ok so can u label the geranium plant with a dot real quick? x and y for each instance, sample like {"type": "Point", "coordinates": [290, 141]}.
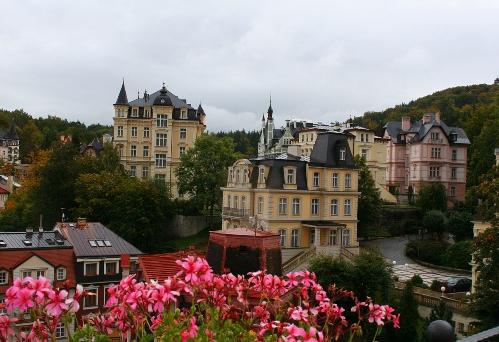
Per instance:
{"type": "Point", "coordinates": [197, 305]}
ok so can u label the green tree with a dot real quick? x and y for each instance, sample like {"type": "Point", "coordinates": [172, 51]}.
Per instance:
{"type": "Point", "coordinates": [460, 225]}
{"type": "Point", "coordinates": [433, 197]}
{"type": "Point", "coordinates": [330, 270]}
{"type": "Point", "coordinates": [486, 257]}
{"type": "Point", "coordinates": [410, 321]}
{"type": "Point", "coordinates": [434, 221]}
{"type": "Point", "coordinates": [134, 209]}
{"type": "Point", "coordinates": [203, 170]}
{"type": "Point", "coordinates": [31, 139]}
{"type": "Point", "coordinates": [369, 209]}
{"type": "Point", "coordinates": [485, 196]}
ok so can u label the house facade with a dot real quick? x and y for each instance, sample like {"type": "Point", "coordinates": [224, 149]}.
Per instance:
{"type": "Point", "coordinates": [424, 152]}
{"type": "Point", "coordinates": [309, 201]}
{"type": "Point", "coordinates": [153, 131]}
{"type": "Point", "coordinates": [35, 254]}
{"type": "Point", "coordinates": [102, 259]}
{"type": "Point", "coordinates": [9, 146]}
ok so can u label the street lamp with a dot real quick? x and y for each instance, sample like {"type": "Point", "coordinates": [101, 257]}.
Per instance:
{"type": "Point", "coordinates": [394, 262]}
{"type": "Point", "coordinates": [443, 290]}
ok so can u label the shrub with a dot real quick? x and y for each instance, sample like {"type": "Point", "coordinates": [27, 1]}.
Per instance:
{"type": "Point", "coordinates": [435, 222]}
{"type": "Point", "coordinates": [460, 225]}
{"type": "Point", "coordinates": [458, 255]}
{"type": "Point", "coordinates": [433, 197]}
{"type": "Point", "coordinates": [426, 250]}
{"type": "Point", "coordinates": [436, 285]}
{"type": "Point", "coordinates": [416, 280]}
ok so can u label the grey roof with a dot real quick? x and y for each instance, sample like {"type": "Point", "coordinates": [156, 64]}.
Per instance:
{"type": "Point", "coordinates": [326, 151]}
{"type": "Point", "coordinates": [46, 239]}
{"type": "Point", "coordinates": [394, 129]}
{"type": "Point", "coordinates": [122, 98]}
{"type": "Point", "coordinates": [96, 144]}
{"type": "Point", "coordinates": [275, 177]}
{"type": "Point", "coordinates": [80, 238]}
{"type": "Point", "coordinates": [176, 102]}
{"type": "Point", "coordinates": [10, 134]}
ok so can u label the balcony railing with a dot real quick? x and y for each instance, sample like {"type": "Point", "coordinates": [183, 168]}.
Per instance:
{"type": "Point", "coordinates": [235, 212]}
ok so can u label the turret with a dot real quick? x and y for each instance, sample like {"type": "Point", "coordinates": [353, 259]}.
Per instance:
{"type": "Point", "coordinates": [121, 104]}
{"type": "Point", "coordinates": [200, 114]}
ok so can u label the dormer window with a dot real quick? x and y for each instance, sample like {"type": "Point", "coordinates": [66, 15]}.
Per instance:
{"type": "Point", "coordinates": [147, 113]}
{"type": "Point", "coordinates": [291, 176]}
{"type": "Point", "coordinates": [261, 175]}
{"type": "Point", "coordinates": [343, 153]}
{"type": "Point", "coordinates": [135, 112]}
{"type": "Point", "coordinates": [183, 113]}
{"type": "Point", "coordinates": [316, 179]}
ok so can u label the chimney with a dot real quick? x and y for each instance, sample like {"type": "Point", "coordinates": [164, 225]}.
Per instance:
{"type": "Point", "coordinates": [29, 232]}
{"type": "Point", "coordinates": [40, 227]}
{"type": "Point", "coordinates": [125, 265]}
{"type": "Point", "coordinates": [437, 117]}
{"type": "Point", "coordinates": [426, 119]}
{"type": "Point", "coordinates": [287, 122]}
{"type": "Point", "coordinates": [81, 223]}
{"type": "Point", "coordinates": [406, 123]}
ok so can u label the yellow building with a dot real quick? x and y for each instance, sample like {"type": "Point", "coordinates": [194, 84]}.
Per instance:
{"type": "Point", "coordinates": [152, 132]}
{"type": "Point", "coordinates": [310, 201]}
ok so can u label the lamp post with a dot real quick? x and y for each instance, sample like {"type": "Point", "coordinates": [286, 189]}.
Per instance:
{"type": "Point", "coordinates": [443, 290]}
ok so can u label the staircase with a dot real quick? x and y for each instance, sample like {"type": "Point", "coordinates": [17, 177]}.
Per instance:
{"type": "Point", "coordinates": [299, 259]}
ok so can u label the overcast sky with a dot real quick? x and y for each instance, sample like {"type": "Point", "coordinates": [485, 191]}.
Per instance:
{"type": "Point", "coordinates": [322, 60]}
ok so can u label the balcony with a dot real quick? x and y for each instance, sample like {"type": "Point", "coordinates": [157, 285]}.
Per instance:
{"type": "Point", "coordinates": [233, 212]}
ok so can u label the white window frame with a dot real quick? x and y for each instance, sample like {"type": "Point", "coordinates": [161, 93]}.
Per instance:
{"type": "Point", "coordinates": [145, 151]}
{"type": "Point", "coordinates": [117, 264]}
{"type": "Point", "coordinates": [147, 132]}
{"type": "Point", "coordinates": [26, 273]}
{"type": "Point", "coordinates": [283, 206]}
{"type": "Point", "coordinates": [282, 237]}
{"type": "Point", "coordinates": [133, 170]}
{"type": "Point", "coordinates": [183, 133]}
{"type": "Point", "coordinates": [290, 176]}
{"type": "Point", "coordinates": [261, 175]}
{"type": "Point", "coordinates": [134, 131]}
{"type": "Point", "coordinates": [335, 180]}
{"type": "Point", "coordinates": [133, 150]}
{"type": "Point", "coordinates": [6, 277]}
{"type": "Point", "coordinates": [119, 132]}
{"type": "Point", "coordinates": [181, 150]}
{"type": "Point", "coordinates": [183, 113]}
{"type": "Point", "coordinates": [453, 173]}
{"type": "Point", "coordinates": [345, 236]}
{"type": "Point", "coordinates": [161, 139]}
{"type": "Point", "coordinates": [316, 179]}
{"type": "Point", "coordinates": [60, 330]}
{"type": "Point", "coordinates": [259, 205]}
{"type": "Point", "coordinates": [348, 180]}
{"type": "Point", "coordinates": [363, 153]}
{"type": "Point", "coordinates": [160, 160]}
{"type": "Point", "coordinates": [135, 112]}
{"type": "Point", "coordinates": [57, 277]}
{"type": "Point", "coordinates": [333, 237]}
{"type": "Point", "coordinates": [295, 238]}
{"type": "Point", "coordinates": [40, 273]}
{"type": "Point", "coordinates": [343, 153]}
{"type": "Point", "coordinates": [296, 206]}
{"type": "Point", "coordinates": [145, 171]}
{"type": "Point", "coordinates": [334, 207]}
{"type": "Point", "coordinates": [347, 207]}
{"type": "Point", "coordinates": [314, 206]}
{"type": "Point", "coordinates": [161, 120]}
{"type": "Point", "coordinates": [85, 263]}
{"type": "Point", "coordinates": [312, 236]}
{"type": "Point", "coordinates": [91, 288]}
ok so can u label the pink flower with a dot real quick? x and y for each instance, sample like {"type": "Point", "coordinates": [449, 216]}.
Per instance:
{"type": "Point", "coordinates": [57, 303]}
{"type": "Point", "coordinates": [298, 314]}
{"type": "Point", "coordinates": [38, 333]}
{"type": "Point", "coordinates": [41, 288]}
{"type": "Point", "coordinates": [24, 299]}
{"type": "Point", "coordinates": [294, 332]}
{"type": "Point", "coordinates": [6, 327]}
{"type": "Point", "coordinates": [191, 331]}
{"type": "Point", "coordinates": [190, 267]}
{"type": "Point", "coordinates": [376, 314]}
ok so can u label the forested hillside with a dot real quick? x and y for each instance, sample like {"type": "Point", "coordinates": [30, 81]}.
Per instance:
{"type": "Point", "coordinates": [475, 108]}
{"type": "Point", "coordinates": [40, 133]}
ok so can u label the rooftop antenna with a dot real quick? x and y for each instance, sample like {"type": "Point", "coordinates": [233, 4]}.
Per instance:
{"type": "Point", "coordinates": [63, 216]}
{"type": "Point", "coordinates": [40, 227]}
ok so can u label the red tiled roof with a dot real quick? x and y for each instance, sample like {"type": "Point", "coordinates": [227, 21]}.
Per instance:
{"type": "Point", "coordinates": [161, 266]}
{"type": "Point", "coordinates": [4, 191]}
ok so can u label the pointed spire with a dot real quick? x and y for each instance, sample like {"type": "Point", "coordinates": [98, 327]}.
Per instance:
{"type": "Point", "coordinates": [122, 98]}
{"type": "Point", "coordinates": [270, 111]}
{"type": "Point", "coordinates": [263, 117]}
{"type": "Point", "coordinates": [200, 109]}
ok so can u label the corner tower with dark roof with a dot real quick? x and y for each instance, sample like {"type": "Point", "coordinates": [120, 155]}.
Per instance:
{"type": "Point", "coordinates": [153, 131]}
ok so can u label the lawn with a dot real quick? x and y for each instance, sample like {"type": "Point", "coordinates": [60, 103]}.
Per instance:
{"type": "Point", "coordinates": [199, 241]}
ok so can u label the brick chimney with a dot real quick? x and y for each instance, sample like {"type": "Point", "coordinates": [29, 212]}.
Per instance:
{"type": "Point", "coordinates": [437, 117]}
{"type": "Point", "coordinates": [406, 123]}
{"type": "Point", "coordinates": [426, 118]}
{"type": "Point", "coordinates": [81, 223]}
{"type": "Point", "coordinates": [125, 265]}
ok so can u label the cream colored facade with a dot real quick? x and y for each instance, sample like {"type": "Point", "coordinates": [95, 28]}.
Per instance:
{"type": "Point", "coordinates": [152, 132]}
{"type": "Point", "coordinates": [309, 205]}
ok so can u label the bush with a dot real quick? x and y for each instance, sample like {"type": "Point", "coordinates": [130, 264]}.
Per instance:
{"type": "Point", "coordinates": [416, 280]}
{"type": "Point", "coordinates": [426, 250]}
{"type": "Point", "coordinates": [460, 225]}
{"type": "Point", "coordinates": [458, 255]}
{"type": "Point", "coordinates": [436, 285]}
{"type": "Point", "coordinates": [433, 197]}
{"type": "Point", "coordinates": [435, 222]}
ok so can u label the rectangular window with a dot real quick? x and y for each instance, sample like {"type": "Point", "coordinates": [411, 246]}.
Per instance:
{"type": "Point", "coordinates": [260, 205]}
{"type": "Point", "coordinates": [40, 273]}
{"type": "Point", "coordinates": [111, 267]}
{"type": "Point", "coordinates": [453, 173]}
{"type": "Point", "coordinates": [315, 206]}
{"type": "Point", "coordinates": [282, 237]}
{"type": "Point", "coordinates": [436, 152]}
{"type": "Point", "coordinates": [146, 132]}
{"type": "Point", "coordinates": [135, 112]}
{"type": "Point", "coordinates": [160, 178]}
{"type": "Point", "coordinates": [452, 191]}
{"type": "Point", "coordinates": [61, 273]}
{"type": "Point", "coordinates": [160, 160]}
{"type": "Point", "coordinates": [243, 202]}
{"type": "Point", "coordinates": [261, 175]}
{"type": "Point", "coordinates": [4, 277]}
{"type": "Point", "coordinates": [434, 172]}
{"type": "Point", "coordinates": [362, 137]}
{"type": "Point", "coordinates": [434, 135]}
{"type": "Point", "coordinates": [162, 120]}
{"type": "Point", "coordinates": [60, 331]}
{"type": "Point", "coordinates": [294, 238]}
{"type": "Point", "coordinates": [91, 269]}
{"type": "Point", "coordinates": [312, 237]}
{"type": "Point", "coordinates": [236, 202]}
{"type": "Point", "coordinates": [134, 131]}
{"type": "Point", "coordinates": [348, 180]}
{"type": "Point", "coordinates": [335, 180]}
{"type": "Point", "coordinates": [332, 237]}
{"type": "Point", "coordinates": [290, 176]}
{"type": "Point", "coordinates": [454, 154]}
{"type": "Point", "coordinates": [343, 153]}
{"type": "Point", "coordinates": [183, 114]}
{"type": "Point", "coordinates": [133, 170]}
{"type": "Point", "coordinates": [161, 139]}
{"type": "Point", "coordinates": [346, 237]}
{"type": "Point", "coordinates": [348, 207]}
{"type": "Point", "coordinates": [296, 206]}
{"type": "Point", "coordinates": [181, 150]}
{"type": "Point", "coordinates": [147, 113]}
{"type": "Point", "coordinates": [316, 179]}
{"type": "Point", "coordinates": [183, 133]}
{"type": "Point", "coordinates": [133, 151]}
{"type": "Point", "coordinates": [145, 151]}
{"type": "Point", "coordinates": [145, 172]}
{"type": "Point", "coordinates": [120, 131]}
{"type": "Point", "coordinates": [364, 153]}
{"type": "Point", "coordinates": [334, 207]}
{"type": "Point", "coordinates": [26, 274]}
{"type": "Point", "coordinates": [283, 206]}
{"type": "Point", "coordinates": [90, 301]}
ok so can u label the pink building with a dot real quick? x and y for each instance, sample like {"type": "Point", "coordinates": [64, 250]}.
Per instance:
{"type": "Point", "coordinates": [424, 152]}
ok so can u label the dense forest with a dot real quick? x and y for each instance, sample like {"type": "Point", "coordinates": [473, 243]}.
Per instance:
{"type": "Point", "coordinates": [40, 133]}
{"type": "Point", "coordinates": [474, 108]}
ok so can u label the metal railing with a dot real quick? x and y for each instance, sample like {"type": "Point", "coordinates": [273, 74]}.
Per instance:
{"type": "Point", "coordinates": [487, 335]}
{"type": "Point", "coordinates": [235, 212]}
{"type": "Point", "coordinates": [345, 253]}
{"type": "Point", "coordinates": [297, 260]}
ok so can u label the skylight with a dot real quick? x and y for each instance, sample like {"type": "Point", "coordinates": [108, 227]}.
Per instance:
{"type": "Point", "coordinates": [3, 243]}
{"type": "Point", "coordinates": [92, 243]}
{"type": "Point", "coordinates": [27, 242]}
{"type": "Point", "coordinates": [107, 243]}
{"type": "Point", "coordinates": [100, 243]}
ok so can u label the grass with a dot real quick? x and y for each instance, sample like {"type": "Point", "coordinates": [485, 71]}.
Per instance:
{"type": "Point", "coordinates": [200, 241]}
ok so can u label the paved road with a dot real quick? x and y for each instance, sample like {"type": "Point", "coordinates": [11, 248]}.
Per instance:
{"type": "Point", "coordinates": [394, 249]}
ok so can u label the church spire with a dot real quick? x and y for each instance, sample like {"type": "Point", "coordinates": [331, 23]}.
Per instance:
{"type": "Point", "coordinates": [122, 98]}
{"type": "Point", "coordinates": [270, 111]}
